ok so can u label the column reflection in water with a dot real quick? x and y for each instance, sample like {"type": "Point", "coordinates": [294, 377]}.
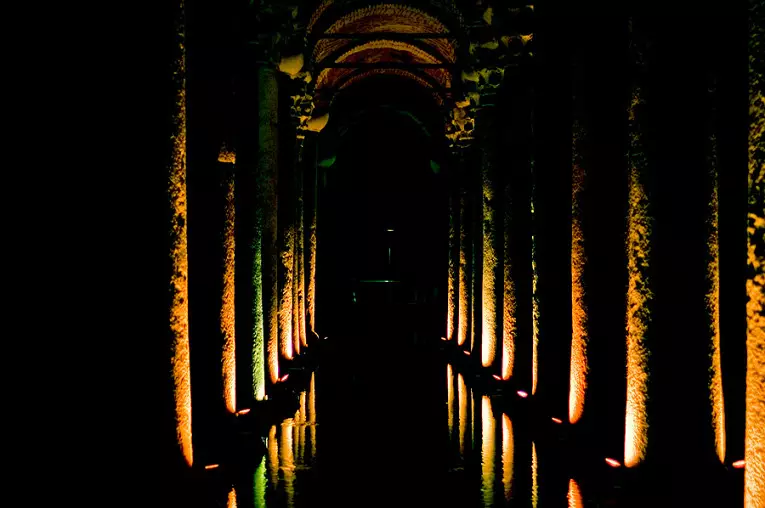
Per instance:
{"type": "Point", "coordinates": [459, 415]}
{"type": "Point", "coordinates": [291, 449]}
{"type": "Point", "coordinates": [508, 446]}
{"type": "Point", "coordinates": [486, 428]}
{"type": "Point", "coordinates": [488, 451]}
{"type": "Point", "coordinates": [534, 476]}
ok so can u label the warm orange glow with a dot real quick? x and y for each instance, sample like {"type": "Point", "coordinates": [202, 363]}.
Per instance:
{"type": "Point", "coordinates": [613, 463]}
{"type": "Point", "coordinates": [556, 420]}
{"type": "Point", "coordinates": [498, 378]}
{"type": "Point", "coordinates": [462, 324]}
{"type": "Point", "coordinates": [226, 155]}
{"type": "Point", "coordinates": [579, 336]}
{"type": "Point", "coordinates": [522, 394]}
{"type": "Point", "coordinates": [509, 323]}
{"type": "Point", "coordinates": [488, 451]}
{"type": "Point", "coordinates": [639, 295]}
{"type": "Point", "coordinates": [227, 311]}
{"type": "Point", "coordinates": [178, 282]}
{"type": "Point", "coordinates": [754, 454]}
{"type": "Point", "coordinates": [212, 466]}
{"type": "Point", "coordinates": [231, 499]}
{"type": "Point", "coordinates": [713, 294]}
{"type": "Point", "coordinates": [273, 456]}
{"type": "Point", "coordinates": [739, 464]}
{"type": "Point", "coordinates": [243, 411]}
{"type": "Point", "coordinates": [311, 286]}
{"type": "Point", "coordinates": [284, 378]}
{"type": "Point", "coordinates": [574, 496]}
{"type": "Point", "coordinates": [490, 264]}
{"type": "Point", "coordinates": [467, 353]}
{"type": "Point", "coordinates": [507, 456]}
{"type": "Point", "coordinates": [286, 341]}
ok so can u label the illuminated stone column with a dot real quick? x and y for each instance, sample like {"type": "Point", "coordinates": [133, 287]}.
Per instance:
{"type": "Point", "coordinates": [460, 136]}
{"type": "Point", "coordinates": [286, 214]}
{"type": "Point", "coordinates": [310, 209]}
{"type": "Point", "coordinates": [754, 476]}
{"type": "Point", "coordinates": [515, 169]}
{"type": "Point", "coordinates": [452, 282]}
{"type": "Point", "coordinates": [640, 286]}
{"type": "Point", "coordinates": [464, 281]}
{"type": "Point", "coordinates": [491, 223]}
{"type": "Point", "coordinates": [712, 279]}
{"type": "Point", "coordinates": [178, 311]}
{"type": "Point", "coordinates": [300, 251]}
{"type": "Point", "coordinates": [227, 159]}
{"type": "Point", "coordinates": [264, 243]}
{"type": "Point", "coordinates": [579, 327]}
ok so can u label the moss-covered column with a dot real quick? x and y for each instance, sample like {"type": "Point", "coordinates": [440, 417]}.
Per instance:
{"type": "Point", "coordinates": [754, 479]}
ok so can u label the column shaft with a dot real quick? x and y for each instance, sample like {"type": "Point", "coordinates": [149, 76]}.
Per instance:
{"type": "Point", "coordinates": [177, 228]}
{"type": "Point", "coordinates": [754, 479]}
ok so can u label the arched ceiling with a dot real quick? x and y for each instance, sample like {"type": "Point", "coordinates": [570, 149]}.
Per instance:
{"type": "Point", "coordinates": [384, 38]}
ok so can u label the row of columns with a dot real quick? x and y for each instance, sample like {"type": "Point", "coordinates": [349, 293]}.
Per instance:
{"type": "Point", "coordinates": [523, 231]}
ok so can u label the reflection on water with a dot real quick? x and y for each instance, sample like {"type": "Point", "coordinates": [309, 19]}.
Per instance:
{"type": "Point", "coordinates": [291, 451]}
{"type": "Point", "coordinates": [534, 477]}
{"type": "Point", "coordinates": [496, 464]}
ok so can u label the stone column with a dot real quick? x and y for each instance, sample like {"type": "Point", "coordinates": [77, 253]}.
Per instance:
{"type": "Point", "coordinates": [264, 241]}
{"type": "Point", "coordinates": [227, 159]}
{"type": "Point", "coordinates": [452, 282]}
{"type": "Point", "coordinates": [517, 331]}
{"type": "Point", "coordinates": [310, 208]}
{"type": "Point", "coordinates": [460, 136]}
{"type": "Point", "coordinates": [178, 310]}
{"type": "Point", "coordinates": [492, 282]}
{"type": "Point", "coordinates": [640, 286]}
{"type": "Point", "coordinates": [754, 478]}
{"type": "Point", "coordinates": [286, 239]}
{"type": "Point", "coordinates": [580, 367]}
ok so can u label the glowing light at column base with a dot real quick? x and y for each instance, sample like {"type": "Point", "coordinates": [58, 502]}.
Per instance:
{"type": "Point", "coordinates": [179, 291]}
{"type": "Point", "coordinates": [639, 297]}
